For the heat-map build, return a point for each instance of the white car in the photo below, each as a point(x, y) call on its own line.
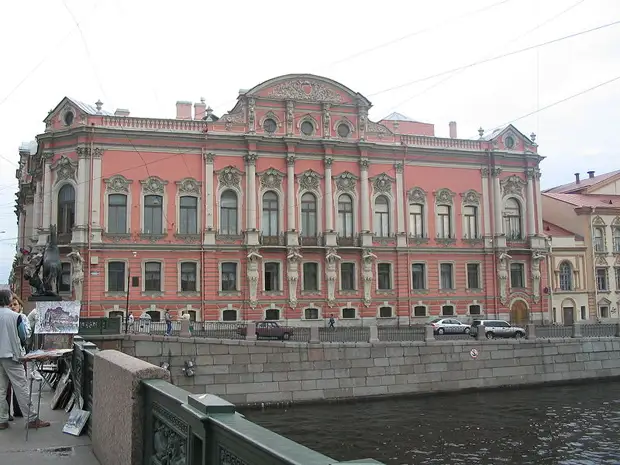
point(497, 329)
point(449, 326)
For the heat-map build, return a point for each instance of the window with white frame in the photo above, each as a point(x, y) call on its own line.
point(345, 215)
point(66, 209)
point(384, 276)
point(229, 213)
point(189, 276)
point(386, 311)
point(615, 231)
point(116, 276)
point(517, 275)
point(418, 276)
point(347, 276)
point(447, 310)
point(416, 220)
point(470, 215)
point(153, 214)
point(64, 279)
point(603, 311)
point(310, 276)
point(446, 276)
point(152, 276)
point(309, 226)
point(117, 213)
point(512, 219)
point(599, 239)
point(419, 311)
point(444, 226)
point(188, 215)
point(566, 276)
point(382, 216)
point(229, 277)
point(272, 314)
point(229, 315)
point(271, 278)
point(348, 313)
point(473, 276)
point(311, 314)
point(271, 214)
point(602, 283)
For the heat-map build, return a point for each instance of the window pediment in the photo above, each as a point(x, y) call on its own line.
point(189, 186)
point(271, 179)
point(471, 197)
point(598, 221)
point(444, 197)
point(229, 177)
point(153, 185)
point(512, 185)
point(601, 261)
point(65, 169)
point(309, 180)
point(604, 301)
point(117, 184)
point(346, 181)
point(417, 195)
point(382, 183)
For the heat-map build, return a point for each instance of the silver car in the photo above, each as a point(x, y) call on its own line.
point(449, 326)
point(497, 329)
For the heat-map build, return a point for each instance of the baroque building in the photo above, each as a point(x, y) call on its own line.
point(292, 206)
point(586, 275)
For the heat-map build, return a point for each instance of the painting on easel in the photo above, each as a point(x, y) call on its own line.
point(58, 317)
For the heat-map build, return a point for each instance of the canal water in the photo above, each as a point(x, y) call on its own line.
point(571, 425)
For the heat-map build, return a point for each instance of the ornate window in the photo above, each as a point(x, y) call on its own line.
point(382, 216)
point(153, 214)
point(152, 277)
point(602, 280)
point(471, 224)
point(615, 231)
point(188, 277)
point(517, 275)
point(416, 220)
point(345, 215)
point(271, 213)
point(229, 277)
point(117, 213)
point(566, 276)
point(116, 277)
point(599, 239)
point(188, 215)
point(308, 215)
point(444, 221)
point(229, 315)
point(446, 276)
point(513, 222)
point(229, 213)
point(66, 209)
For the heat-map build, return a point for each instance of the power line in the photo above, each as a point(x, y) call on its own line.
point(497, 57)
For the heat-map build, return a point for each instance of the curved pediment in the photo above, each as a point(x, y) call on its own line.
point(307, 88)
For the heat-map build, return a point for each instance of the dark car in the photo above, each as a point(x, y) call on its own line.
point(268, 330)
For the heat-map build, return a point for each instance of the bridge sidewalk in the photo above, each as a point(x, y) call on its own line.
point(46, 445)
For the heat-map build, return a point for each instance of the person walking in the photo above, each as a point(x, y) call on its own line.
point(17, 307)
point(12, 337)
point(168, 319)
point(332, 322)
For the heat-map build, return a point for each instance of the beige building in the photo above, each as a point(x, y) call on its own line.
point(583, 218)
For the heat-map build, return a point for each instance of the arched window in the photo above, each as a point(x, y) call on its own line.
point(188, 215)
point(382, 216)
point(470, 216)
point(228, 213)
point(117, 213)
point(153, 214)
point(566, 276)
point(66, 209)
point(416, 220)
point(512, 219)
point(308, 215)
point(271, 214)
point(599, 239)
point(345, 216)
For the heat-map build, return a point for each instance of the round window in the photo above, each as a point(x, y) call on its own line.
point(307, 128)
point(343, 130)
point(69, 118)
point(510, 142)
point(269, 126)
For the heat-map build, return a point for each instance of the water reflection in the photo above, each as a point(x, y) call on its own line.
point(572, 425)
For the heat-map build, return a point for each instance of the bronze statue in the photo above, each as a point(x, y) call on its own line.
point(43, 270)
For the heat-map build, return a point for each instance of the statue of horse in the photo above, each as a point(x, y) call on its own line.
point(52, 267)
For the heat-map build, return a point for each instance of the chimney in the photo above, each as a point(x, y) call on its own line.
point(590, 174)
point(200, 109)
point(121, 112)
point(184, 110)
point(452, 129)
point(577, 178)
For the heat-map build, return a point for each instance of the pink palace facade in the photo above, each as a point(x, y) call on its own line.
point(293, 206)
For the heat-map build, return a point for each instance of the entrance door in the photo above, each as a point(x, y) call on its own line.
point(569, 315)
point(519, 314)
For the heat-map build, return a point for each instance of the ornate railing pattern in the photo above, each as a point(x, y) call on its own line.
point(154, 124)
point(90, 326)
point(82, 365)
point(440, 142)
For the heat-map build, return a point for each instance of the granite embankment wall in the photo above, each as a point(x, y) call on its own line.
point(247, 372)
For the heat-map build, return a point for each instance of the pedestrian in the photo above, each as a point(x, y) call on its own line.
point(332, 322)
point(11, 398)
point(12, 339)
point(33, 318)
point(131, 322)
point(168, 323)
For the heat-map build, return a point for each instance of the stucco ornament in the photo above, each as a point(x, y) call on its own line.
point(294, 258)
point(189, 186)
point(346, 182)
point(326, 120)
point(367, 261)
point(153, 185)
point(512, 185)
point(309, 180)
point(537, 257)
point(502, 274)
point(65, 169)
point(254, 259)
point(77, 273)
point(117, 184)
point(331, 261)
point(362, 121)
point(232, 118)
point(444, 197)
point(382, 183)
point(417, 195)
point(271, 179)
point(290, 117)
point(305, 89)
point(378, 129)
point(230, 177)
point(471, 197)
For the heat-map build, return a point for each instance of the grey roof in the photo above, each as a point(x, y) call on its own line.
point(493, 134)
point(395, 116)
point(90, 109)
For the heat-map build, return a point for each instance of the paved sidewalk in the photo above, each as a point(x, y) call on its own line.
point(46, 445)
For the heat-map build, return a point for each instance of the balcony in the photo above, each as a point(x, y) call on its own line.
point(272, 241)
point(384, 240)
point(445, 240)
point(417, 239)
point(347, 241)
point(473, 240)
point(310, 241)
point(228, 238)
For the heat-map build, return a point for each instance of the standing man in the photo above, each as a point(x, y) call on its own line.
point(12, 336)
point(168, 323)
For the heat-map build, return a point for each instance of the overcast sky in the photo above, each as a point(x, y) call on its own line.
point(145, 55)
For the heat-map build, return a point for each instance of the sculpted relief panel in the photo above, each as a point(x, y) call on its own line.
point(305, 90)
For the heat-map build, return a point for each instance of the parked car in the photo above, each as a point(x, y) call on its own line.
point(268, 330)
point(497, 329)
point(449, 326)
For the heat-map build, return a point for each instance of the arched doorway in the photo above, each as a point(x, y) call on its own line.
point(519, 313)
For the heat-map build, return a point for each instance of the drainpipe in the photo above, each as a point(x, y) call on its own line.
point(594, 262)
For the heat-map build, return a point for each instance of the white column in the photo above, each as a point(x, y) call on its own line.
point(531, 214)
point(97, 180)
point(251, 191)
point(539, 216)
point(209, 180)
point(365, 195)
point(486, 205)
point(497, 202)
point(290, 184)
point(329, 201)
point(36, 214)
point(400, 212)
point(81, 195)
point(47, 197)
